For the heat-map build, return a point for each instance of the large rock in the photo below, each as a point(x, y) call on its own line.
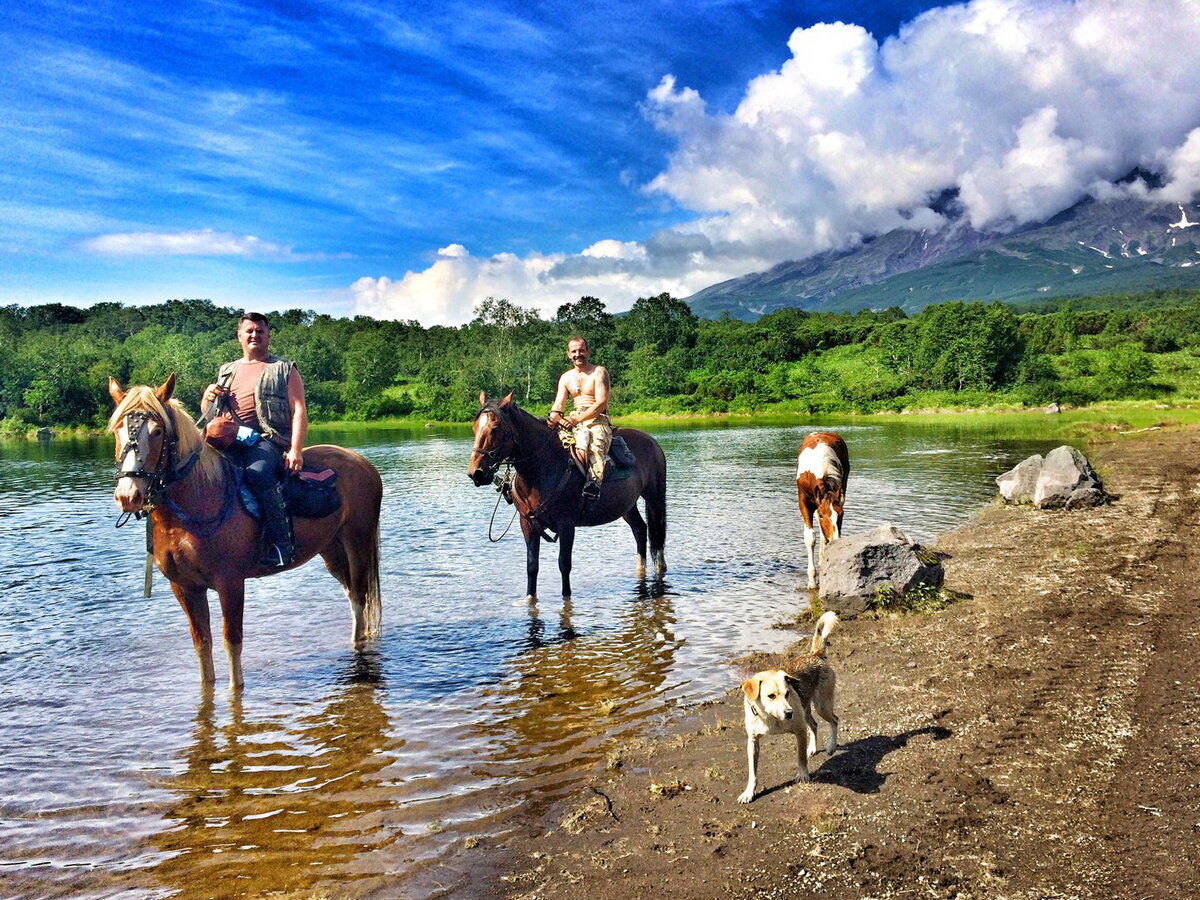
point(856, 567)
point(1017, 484)
point(1063, 479)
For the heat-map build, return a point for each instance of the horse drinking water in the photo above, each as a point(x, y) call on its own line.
point(204, 538)
point(547, 486)
point(821, 473)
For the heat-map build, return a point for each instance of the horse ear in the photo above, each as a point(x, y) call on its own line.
point(483, 398)
point(166, 389)
point(507, 399)
point(114, 390)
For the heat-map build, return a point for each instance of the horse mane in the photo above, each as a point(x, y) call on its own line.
point(821, 462)
point(141, 398)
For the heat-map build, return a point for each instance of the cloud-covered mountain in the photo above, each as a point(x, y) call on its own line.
point(1095, 247)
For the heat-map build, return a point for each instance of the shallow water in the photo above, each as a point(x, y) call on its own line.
point(118, 774)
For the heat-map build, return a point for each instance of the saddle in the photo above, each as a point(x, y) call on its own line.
point(309, 494)
point(618, 462)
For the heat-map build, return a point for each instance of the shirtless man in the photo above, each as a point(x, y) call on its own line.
point(587, 385)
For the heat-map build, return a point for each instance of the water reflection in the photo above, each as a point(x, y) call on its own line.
point(272, 803)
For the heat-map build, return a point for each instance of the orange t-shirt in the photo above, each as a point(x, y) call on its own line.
point(241, 400)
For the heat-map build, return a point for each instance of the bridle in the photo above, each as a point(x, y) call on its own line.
point(165, 473)
point(496, 457)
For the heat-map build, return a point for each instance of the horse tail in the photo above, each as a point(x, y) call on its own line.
point(825, 626)
point(372, 599)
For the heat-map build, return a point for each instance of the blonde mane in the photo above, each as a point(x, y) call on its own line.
point(141, 398)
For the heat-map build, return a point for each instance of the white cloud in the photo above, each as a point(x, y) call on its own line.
point(1022, 106)
point(204, 242)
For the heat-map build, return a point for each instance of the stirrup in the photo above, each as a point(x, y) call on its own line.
point(274, 557)
point(591, 490)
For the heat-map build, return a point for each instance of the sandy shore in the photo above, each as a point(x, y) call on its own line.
point(1039, 738)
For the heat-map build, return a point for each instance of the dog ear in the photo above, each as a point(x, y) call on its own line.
point(750, 689)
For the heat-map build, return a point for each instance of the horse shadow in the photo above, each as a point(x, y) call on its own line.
point(856, 765)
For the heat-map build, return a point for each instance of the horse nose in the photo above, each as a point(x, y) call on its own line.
point(128, 496)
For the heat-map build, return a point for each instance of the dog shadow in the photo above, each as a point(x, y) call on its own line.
point(856, 765)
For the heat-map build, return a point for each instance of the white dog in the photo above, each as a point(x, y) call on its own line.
point(779, 701)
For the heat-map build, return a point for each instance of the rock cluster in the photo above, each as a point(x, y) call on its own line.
point(1063, 479)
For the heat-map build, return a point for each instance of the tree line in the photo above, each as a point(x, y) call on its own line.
point(55, 359)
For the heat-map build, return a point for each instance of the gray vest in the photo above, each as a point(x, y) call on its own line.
point(271, 403)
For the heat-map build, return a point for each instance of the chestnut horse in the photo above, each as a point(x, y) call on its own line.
point(821, 474)
point(547, 487)
point(203, 538)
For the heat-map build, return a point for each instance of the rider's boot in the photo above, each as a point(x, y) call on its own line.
point(591, 490)
point(279, 549)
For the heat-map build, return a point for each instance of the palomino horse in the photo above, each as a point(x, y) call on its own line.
point(547, 487)
point(203, 538)
point(821, 474)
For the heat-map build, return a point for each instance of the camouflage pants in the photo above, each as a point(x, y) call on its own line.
point(594, 437)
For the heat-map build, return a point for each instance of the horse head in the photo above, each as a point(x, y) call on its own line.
point(495, 440)
point(158, 445)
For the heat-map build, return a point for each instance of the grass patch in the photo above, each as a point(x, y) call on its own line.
point(924, 598)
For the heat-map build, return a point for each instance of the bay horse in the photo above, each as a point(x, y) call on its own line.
point(203, 537)
point(821, 473)
point(547, 487)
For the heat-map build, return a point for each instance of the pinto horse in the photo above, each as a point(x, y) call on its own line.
point(202, 536)
point(547, 487)
point(821, 474)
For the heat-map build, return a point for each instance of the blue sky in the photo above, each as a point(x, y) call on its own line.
point(409, 159)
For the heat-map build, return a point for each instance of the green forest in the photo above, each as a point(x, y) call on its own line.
point(55, 359)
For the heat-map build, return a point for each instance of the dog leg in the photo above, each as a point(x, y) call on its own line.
point(824, 702)
point(802, 743)
point(752, 762)
point(812, 731)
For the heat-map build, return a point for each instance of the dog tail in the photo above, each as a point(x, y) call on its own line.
point(821, 633)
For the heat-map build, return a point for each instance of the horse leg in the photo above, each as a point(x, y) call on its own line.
point(194, 601)
point(566, 540)
point(810, 538)
point(638, 526)
point(233, 602)
point(355, 565)
point(533, 546)
point(656, 522)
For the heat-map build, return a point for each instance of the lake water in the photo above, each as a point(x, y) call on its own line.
point(366, 771)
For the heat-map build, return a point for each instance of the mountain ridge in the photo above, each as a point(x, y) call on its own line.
point(1093, 247)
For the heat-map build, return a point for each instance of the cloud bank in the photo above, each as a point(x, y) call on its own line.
point(202, 242)
point(1023, 107)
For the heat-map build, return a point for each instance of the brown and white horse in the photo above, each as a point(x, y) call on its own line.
point(821, 474)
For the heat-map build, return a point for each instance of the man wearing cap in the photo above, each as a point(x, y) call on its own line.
point(264, 396)
point(587, 385)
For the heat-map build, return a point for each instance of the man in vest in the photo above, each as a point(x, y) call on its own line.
point(264, 395)
point(587, 385)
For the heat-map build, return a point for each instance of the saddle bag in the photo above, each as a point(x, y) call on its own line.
point(620, 452)
point(312, 493)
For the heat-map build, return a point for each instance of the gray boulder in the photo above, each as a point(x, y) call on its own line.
point(1017, 484)
point(1065, 471)
point(1062, 479)
point(856, 567)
